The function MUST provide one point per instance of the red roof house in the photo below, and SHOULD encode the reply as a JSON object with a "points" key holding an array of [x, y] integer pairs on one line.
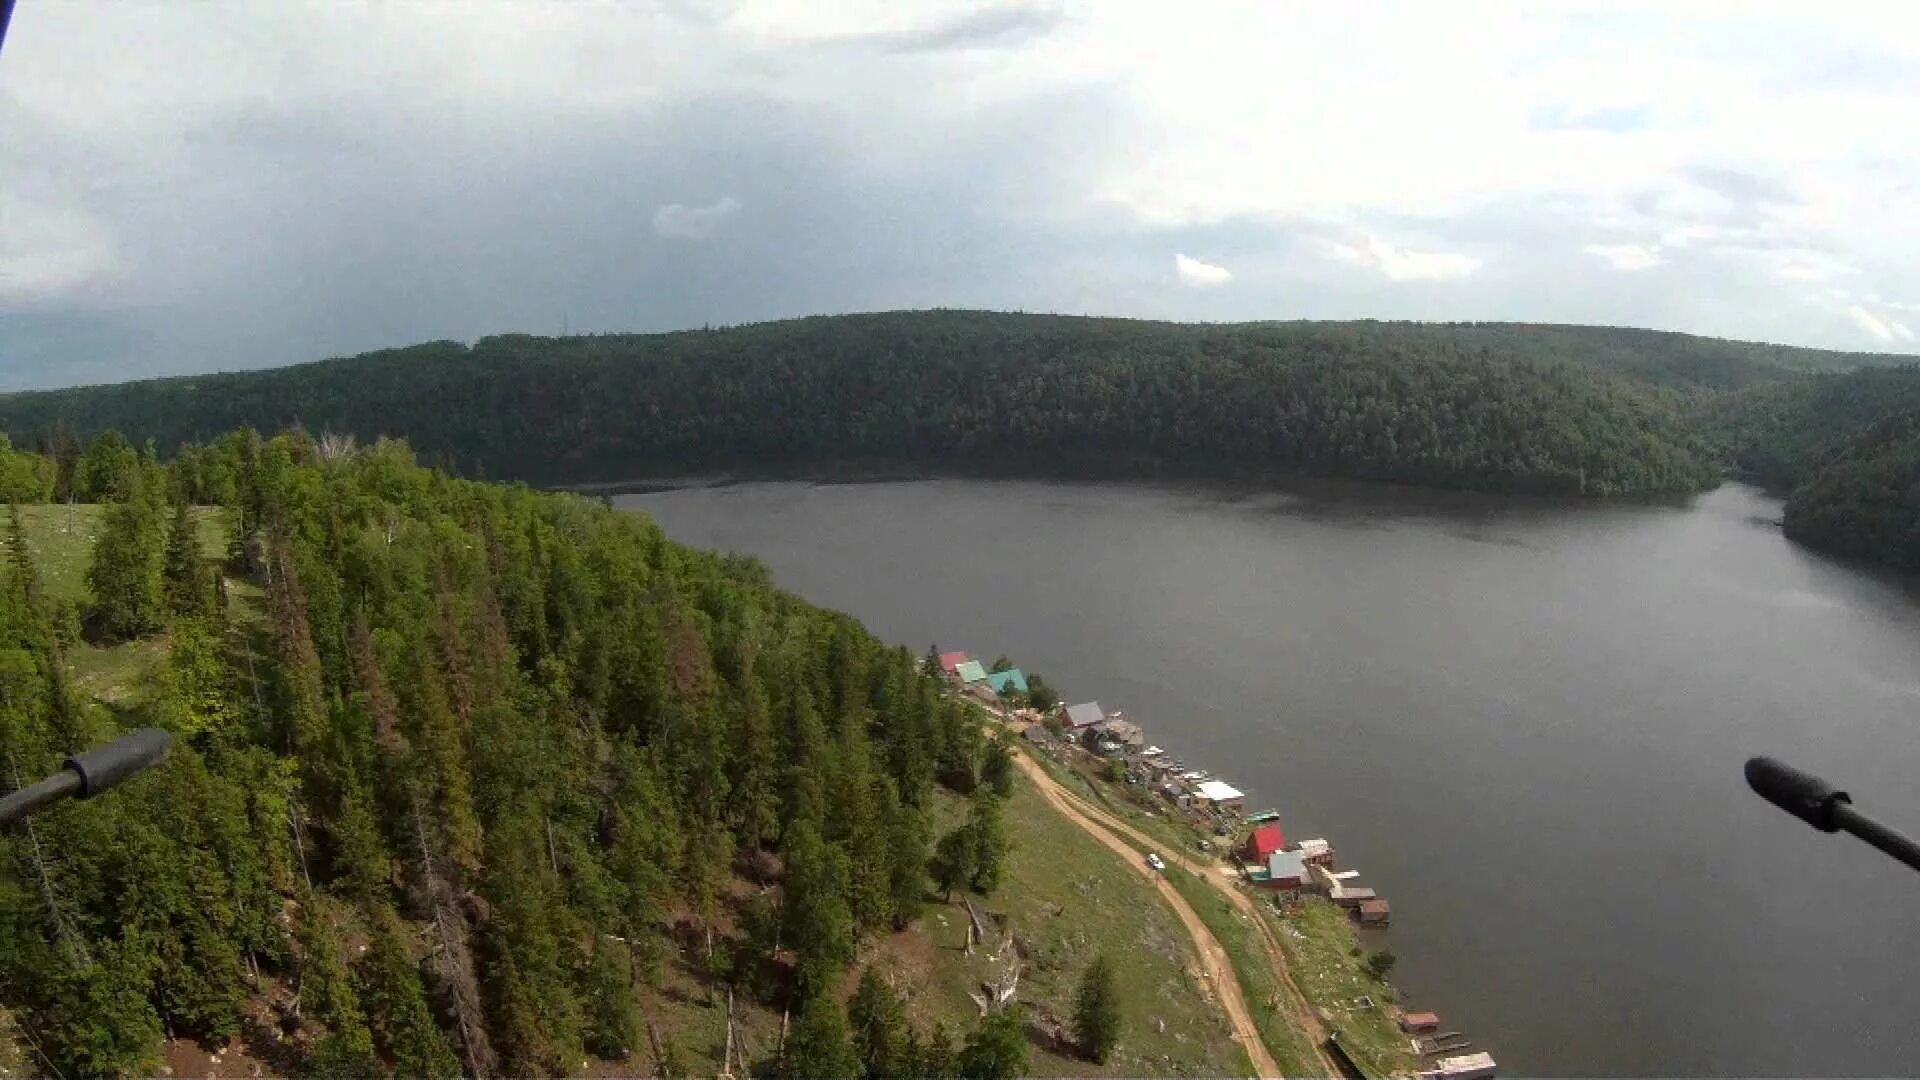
{"points": [[951, 660], [1265, 840]]}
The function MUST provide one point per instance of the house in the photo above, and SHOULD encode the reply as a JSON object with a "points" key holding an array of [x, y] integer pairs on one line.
{"points": [[1038, 735], [1375, 912], [1222, 795], [1285, 870], [1461, 1067], [1351, 897], [1010, 680], [1124, 732], [970, 672], [1317, 852], [951, 660], [1263, 842], [1084, 715], [1419, 1023]]}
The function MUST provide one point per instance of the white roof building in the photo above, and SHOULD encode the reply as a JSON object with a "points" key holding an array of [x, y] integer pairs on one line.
{"points": [[1218, 791]]}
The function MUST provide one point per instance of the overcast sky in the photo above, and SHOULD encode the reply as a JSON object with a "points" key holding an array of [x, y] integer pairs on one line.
{"points": [[192, 186]]}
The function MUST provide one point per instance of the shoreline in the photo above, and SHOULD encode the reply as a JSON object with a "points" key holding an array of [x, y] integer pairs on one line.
{"points": [[1083, 753]]}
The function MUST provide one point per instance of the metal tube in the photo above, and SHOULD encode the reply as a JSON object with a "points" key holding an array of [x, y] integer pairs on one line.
{"points": [[1889, 840], [19, 804]]}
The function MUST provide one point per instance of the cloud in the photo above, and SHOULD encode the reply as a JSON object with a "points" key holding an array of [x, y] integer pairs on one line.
{"points": [[1628, 257], [49, 251], [1619, 118], [991, 27], [1886, 329], [1401, 264], [684, 222], [1199, 274], [334, 178]]}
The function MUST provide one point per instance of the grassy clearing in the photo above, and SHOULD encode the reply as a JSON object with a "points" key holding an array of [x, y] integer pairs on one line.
{"points": [[1266, 996], [61, 539], [1067, 898], [1319, 942]]}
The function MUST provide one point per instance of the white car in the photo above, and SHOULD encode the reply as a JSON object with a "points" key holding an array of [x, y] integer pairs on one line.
{"points": [[1156, 862]]}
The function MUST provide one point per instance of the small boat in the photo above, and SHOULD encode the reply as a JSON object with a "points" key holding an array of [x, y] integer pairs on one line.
{"points": [[1263, 816]]}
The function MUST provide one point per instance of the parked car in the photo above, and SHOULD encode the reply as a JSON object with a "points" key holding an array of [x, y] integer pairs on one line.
{"points": [[1154, 860]]}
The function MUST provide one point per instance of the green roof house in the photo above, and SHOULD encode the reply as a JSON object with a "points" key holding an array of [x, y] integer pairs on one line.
{"points": [[970, 672], [1008, 680]]}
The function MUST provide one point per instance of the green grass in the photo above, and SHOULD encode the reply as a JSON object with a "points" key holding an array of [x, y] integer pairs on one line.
{"points": [[61, 538], [1066, 899], [1266, 996], [1318, 940]]}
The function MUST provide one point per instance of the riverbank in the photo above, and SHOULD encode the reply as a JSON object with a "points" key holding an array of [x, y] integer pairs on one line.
{"points": [[1322, 1001]]}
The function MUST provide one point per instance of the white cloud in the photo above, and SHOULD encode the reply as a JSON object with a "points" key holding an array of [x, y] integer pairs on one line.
{"points": [[1886, 329], [1628, 257], [1402, 264], [684, 222], [1198, 273], [49, 251]]}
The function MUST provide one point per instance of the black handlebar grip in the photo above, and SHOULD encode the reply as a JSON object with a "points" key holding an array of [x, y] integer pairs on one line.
{"points": [[1801, 794], [105, 766]]}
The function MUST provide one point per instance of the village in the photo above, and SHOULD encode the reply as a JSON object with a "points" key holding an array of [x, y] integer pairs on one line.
{"points": [[1107, 747]]}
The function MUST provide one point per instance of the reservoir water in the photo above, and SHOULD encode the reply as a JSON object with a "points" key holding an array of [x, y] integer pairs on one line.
{"points": [[1523, 722]]}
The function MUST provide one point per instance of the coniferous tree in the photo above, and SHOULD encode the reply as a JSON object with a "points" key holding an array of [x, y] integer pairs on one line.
{"points": [[1096, 1011], [997, 1049], [183, 574], [819, 1048], [125, 573], [878, 1019]]}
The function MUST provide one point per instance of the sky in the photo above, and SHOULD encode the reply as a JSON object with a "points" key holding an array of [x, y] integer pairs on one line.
{"points": [[208, 186]]}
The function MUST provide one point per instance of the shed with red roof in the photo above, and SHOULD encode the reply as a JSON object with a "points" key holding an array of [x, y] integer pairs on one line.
{"points": [[1264, 841]]}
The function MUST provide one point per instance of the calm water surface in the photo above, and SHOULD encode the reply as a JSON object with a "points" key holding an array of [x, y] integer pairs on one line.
{"points": [[1523, 723]]}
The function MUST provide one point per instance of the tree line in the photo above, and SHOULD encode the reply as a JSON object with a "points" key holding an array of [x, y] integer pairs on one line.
{"points": [[1547, 410], [1843, 448], [457, 767]]}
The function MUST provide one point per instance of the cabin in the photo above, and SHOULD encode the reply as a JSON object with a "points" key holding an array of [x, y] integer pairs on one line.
{"points": [[1317, 852], [1420, 1023], [1375, 912], [1461, 1067], [949, 661], [1125, 732], [1352, 898], [1284, 870], [1263, 842], [1224, 796], [1084, 715], [970, 672], [1010, 681]]}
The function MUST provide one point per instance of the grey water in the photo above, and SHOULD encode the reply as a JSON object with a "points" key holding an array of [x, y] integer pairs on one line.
{"points": [[1523, 722]]}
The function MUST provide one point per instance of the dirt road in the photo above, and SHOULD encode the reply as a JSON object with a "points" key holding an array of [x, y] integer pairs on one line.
{"points": [[1110, 831], [1213, 958]]}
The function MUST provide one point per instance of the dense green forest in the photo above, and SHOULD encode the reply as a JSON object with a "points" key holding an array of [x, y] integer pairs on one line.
{"points": [[1535, 409], [455, 766], [1498, 406]]}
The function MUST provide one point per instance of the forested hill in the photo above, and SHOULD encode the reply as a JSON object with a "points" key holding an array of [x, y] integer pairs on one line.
{"points": [[1507, 407], [453, 764], [1845, 448]]}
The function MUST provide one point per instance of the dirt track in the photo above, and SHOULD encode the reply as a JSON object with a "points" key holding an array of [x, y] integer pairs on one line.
{"points": [[1213, 958], [1109, 830]]}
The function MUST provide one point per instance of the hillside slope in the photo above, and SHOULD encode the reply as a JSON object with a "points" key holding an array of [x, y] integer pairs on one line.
{"points": [[1564, 410], [472, 779]]}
